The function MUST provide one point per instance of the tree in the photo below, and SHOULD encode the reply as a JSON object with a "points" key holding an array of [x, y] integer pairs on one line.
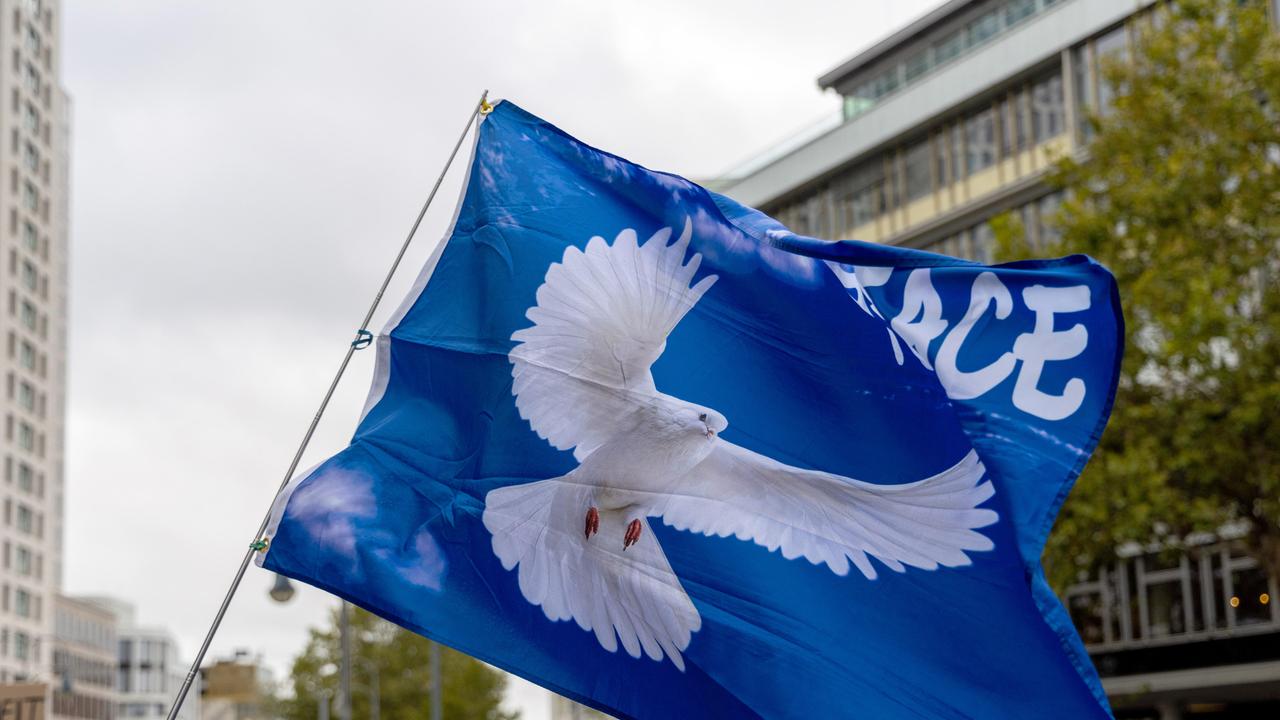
{"points": [[1179, 195], [471, 689]]}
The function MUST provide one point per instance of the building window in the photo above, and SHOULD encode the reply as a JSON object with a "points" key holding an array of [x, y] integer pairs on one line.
{"points": [[955, 146], [948, 47], [30, 236], [1018, 10], [26, 436], [27, 355], [30, 277], [26, 519], [30, 196], [33, 40], [26, 396], [31, 119], [918, 175], [21, 645], [22, 560], [861, 195], [22, 603], [31, 157], [1048, 108], [31, 77], [941, 156], [916, 65], [1111, 47], [980, 139], [28, 314], [984, 28]]}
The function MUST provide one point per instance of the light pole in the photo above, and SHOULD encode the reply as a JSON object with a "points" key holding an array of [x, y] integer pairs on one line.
{"points": [[282, 592], [322, 708], [437, 713], [344, 705]]}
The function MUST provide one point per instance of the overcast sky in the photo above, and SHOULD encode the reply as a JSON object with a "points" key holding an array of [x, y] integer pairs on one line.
{"points": [[242, 175]]}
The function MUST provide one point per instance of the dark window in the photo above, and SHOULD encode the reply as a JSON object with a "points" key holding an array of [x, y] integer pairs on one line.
{"points": [[917, 65], [984, 28], [919, 181], [1016, 10], [1048, 113], [948, 47], [980, 137], [956, 147]]}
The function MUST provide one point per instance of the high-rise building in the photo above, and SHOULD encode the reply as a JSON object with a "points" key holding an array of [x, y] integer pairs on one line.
{"points": [[149, 670], [34, 169], [946, 123], [84, 661]]}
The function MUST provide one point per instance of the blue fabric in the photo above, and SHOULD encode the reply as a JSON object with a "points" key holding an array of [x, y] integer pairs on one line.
{"points": [[792, 345]]}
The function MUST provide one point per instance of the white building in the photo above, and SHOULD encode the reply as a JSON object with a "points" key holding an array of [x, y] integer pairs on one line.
{"points": [[34, 133], [149, 670], [84, 661]]}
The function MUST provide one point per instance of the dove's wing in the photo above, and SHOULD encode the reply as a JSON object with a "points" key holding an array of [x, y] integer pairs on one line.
{"points": [[831, 519], [602, 319], [632, 596]]}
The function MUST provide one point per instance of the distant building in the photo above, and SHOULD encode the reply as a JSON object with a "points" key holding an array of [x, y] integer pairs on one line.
{"points": [[945, 123], [562, 708], [236, 688], [34, 155], [24, 701], [148, 669], [84, 661]]}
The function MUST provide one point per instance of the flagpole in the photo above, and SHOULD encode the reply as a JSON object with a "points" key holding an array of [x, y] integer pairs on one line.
{"points": [[361, 340]]}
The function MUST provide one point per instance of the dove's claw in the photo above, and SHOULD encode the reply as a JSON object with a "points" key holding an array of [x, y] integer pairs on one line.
{"points": [[633, 534], [593, 522]]}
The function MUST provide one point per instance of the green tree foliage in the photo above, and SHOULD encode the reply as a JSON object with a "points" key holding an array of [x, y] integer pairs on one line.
{"points": [[1179, 195], [471, 689]]}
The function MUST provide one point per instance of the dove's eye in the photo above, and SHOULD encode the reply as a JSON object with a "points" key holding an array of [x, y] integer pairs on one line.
{"points": [[703, 417]]}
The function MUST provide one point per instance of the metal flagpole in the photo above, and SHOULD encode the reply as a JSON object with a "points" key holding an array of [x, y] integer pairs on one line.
{"points": [[362, 340]]}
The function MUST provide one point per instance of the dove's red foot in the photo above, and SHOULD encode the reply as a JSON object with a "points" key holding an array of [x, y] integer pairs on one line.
{"points": [[633, 534], [593, 522]]}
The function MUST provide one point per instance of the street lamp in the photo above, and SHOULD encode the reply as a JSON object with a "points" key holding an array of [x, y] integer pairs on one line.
{"points": [[282, 590]]}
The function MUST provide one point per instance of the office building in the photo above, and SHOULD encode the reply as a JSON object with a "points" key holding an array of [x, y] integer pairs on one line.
{"points": [[84, 661], [34, 132], [148, 668], [944, 124]]}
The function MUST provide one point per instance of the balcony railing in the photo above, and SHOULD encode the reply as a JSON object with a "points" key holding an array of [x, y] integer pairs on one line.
{"points": [[1161, 598]]}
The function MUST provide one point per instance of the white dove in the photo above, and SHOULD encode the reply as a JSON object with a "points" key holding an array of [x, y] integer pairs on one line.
{"points": [[582, 541]]}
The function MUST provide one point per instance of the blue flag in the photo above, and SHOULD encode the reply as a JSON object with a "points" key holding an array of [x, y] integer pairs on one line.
{"points": [[648, 448]]}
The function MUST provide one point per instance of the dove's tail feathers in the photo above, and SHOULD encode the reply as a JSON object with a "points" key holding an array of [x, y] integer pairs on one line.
{"points": [[626, 596], [602, 319]]}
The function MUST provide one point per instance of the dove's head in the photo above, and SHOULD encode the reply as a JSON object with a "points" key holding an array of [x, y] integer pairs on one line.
{"points": [[705, 421]]}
